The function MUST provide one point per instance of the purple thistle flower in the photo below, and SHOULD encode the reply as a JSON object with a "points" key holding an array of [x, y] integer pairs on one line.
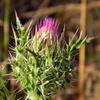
{"points": [[46, 31], [48, 28]]}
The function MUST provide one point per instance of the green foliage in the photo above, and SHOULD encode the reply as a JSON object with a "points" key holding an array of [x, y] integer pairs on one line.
{"points": [[4, 92], [41, 71]]}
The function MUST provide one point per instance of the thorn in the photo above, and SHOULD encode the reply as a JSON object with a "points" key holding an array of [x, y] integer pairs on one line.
{"points": [[77, 30], [16, 15]]}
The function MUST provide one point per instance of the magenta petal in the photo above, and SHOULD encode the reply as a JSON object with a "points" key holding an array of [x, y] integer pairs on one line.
{"points": [[50, 25]]}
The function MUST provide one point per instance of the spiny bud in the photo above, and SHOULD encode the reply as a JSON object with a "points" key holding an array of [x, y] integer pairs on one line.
{"points": [[46, 31]]}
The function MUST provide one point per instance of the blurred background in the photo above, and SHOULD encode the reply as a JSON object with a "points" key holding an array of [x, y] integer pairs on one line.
{"points": [[82, 14]]}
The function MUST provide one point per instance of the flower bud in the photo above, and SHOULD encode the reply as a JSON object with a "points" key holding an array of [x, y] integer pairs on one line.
{"points": [[46, 31]]}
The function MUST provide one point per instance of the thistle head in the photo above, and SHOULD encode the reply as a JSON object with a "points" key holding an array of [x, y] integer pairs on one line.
{"points": [[48, 29]]}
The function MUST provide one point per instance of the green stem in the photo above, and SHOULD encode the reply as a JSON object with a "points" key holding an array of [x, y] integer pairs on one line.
{"points": [[34, 96]]}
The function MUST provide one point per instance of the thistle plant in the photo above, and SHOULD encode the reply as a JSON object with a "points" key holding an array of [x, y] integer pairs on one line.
{"points": [[44, 61]]}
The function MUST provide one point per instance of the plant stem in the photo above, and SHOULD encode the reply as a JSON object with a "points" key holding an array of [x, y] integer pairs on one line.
{"points": [[82, 53], [6, 25], [34, 96]]}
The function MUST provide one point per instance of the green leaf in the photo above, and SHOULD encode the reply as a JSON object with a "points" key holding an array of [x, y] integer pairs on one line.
{"points": [[62, 34], [90, 39], [47, 51], [78, 44], [15, 37], [73, 37], [48, 57], [20, 28], [32, 52], [35, 41], [26, 35]]}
